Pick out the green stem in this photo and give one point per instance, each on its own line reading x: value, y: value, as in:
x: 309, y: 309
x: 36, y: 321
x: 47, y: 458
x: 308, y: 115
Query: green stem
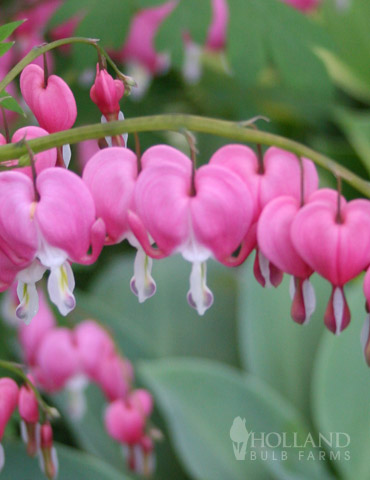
x: 176, y: 122
x: 17, y: 369
x: 42, y: 49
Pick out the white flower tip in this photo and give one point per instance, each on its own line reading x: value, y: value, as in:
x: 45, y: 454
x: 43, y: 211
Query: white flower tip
x: 201, y: 306
x: 147, y: 290
x: 2, y: 457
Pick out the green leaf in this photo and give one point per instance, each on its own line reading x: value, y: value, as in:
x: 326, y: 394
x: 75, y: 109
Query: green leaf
x: 4, y: 47
x: 273, y: 347
x: 200, y: 400
x: 18, y: 465
x: 356, y: 126
x: 108, y: 23
x: 349, y: 30
x: 7, y: 29
x: 8, y: 102
x: 341, y: 390
x: 189, y: 16
x: 165, y: 324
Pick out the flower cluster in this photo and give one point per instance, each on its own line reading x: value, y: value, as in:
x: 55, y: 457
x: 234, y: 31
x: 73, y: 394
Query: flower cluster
x: 62, y: 359
x: 38, y: 437
x: 239, y: 202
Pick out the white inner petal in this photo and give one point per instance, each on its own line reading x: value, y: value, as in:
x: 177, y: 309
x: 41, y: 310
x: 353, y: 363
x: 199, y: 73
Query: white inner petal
x: 142, y: 77
x: 142, y: 283
x: 192, y: 66
x: 292, y: 287
x: 338, y: 306
x: 265, y: 268
x: 309, y: 300
x: 54, y: 459
x: 60, y: 287
x: 109, y: 139
x: 24, y: 433
x: 199, y: 296
x: 29, y: 301
x: 75, y: 388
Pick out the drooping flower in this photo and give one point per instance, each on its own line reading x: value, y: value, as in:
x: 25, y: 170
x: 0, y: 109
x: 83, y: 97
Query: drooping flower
x: 106, y: 93
x: 199, y: 214
x: 47, y: 229
x: 333, y: 238
x: 111, y: 176
x: 277, y: 173
x: 274, y: 241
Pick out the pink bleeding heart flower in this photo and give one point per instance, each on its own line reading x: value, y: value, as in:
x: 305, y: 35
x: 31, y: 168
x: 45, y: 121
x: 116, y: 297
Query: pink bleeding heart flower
x: 114, y: 375
x: 278, y: 173
x: 303, y: 5
x: 216, y: 37
x: 43, y: 160
x: 29, y: 412
x: 138, y: 53
x: 111, y: 176
x: 8, y: 403
x: 93, y: 344
x: 199, y: 214
x: 333, y: 238
x: 85, y: 150
x: 8, y: 271
x: 274, y: 241
x: 53, y: 104
x: 142, y: 400
x: 124, y: 422
x: 57, y: 360
x: 365, y: 334
x: 31, y: 336
x: 47, y: 229
x: 106, y: 93
x: 47, y: 454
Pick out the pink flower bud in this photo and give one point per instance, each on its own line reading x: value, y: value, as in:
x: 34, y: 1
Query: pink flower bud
x: 29, y: 412
x: 304, y: 5
x: 53, y: 104
x: 106, y: 93
x: 48, y: 454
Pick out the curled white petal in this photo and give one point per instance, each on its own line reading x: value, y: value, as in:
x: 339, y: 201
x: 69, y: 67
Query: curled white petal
x: 309, y: 300
x: 265, y: 268
x: 29, y: 301
x: 199, y: 296
x: 292, y: 287
x: 61, y: 284
x: 338, y: 307
x: 142, y: 283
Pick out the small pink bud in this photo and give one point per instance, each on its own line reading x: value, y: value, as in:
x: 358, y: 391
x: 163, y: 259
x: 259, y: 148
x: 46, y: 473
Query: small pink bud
x: 8, y: 401
x: 106, y: 93
x: 48, y: 455
x: 28, y: 405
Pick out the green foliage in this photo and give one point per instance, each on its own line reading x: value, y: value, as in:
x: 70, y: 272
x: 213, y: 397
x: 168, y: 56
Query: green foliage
x: 341, y: 390
x: 72, y: 464
x: 7, y: 29
x: 8, y: 102
x: 195, y: 397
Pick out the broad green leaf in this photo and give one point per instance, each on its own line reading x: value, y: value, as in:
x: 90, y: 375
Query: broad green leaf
x: 273, y: 347
x: 349, y: 30
x: 201, y: 400
x: 8, y: 102
x: 73, y: 464
x: 91, y: 435
x: 165, y: 324
x: 7, y: 29
x: 356, y: 126
x: 341, y: 391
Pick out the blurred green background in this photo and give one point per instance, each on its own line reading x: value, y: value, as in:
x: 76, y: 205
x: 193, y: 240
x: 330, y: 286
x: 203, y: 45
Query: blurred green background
x: 310, y: 75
